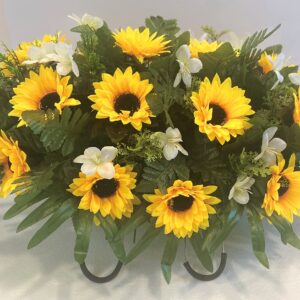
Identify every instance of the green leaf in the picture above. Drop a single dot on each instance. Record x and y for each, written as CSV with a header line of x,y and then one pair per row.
x,y
83,224
169,256
288,236
274,49
257,236
202,254
155,103
57,131
150,234
111,230
138,218
216,62
292,136
162,26
65,212
249,53
47,208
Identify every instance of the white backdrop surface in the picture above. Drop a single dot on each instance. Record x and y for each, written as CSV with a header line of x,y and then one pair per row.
x,y
49,271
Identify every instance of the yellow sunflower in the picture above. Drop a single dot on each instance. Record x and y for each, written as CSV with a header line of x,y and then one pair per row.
x,y
283,188
198,47
20,54
184,209
122,97
221,110
265,62
140,44
12,163
297,108
112,197
46,90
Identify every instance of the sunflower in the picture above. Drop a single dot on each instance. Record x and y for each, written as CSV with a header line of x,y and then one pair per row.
x,y
122,97
197,47
221,110
265,62
46,90
282,194
141,44
297,108
108,196
184,208
12,162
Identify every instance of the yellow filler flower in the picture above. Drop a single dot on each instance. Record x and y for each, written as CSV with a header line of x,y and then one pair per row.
x,y
184,209
46,90
297,108
198,47
282,194
122,97
111,197
141,44
12,163
221,110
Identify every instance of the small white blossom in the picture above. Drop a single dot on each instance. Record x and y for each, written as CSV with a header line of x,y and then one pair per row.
x,y
40,54
98,161
63,56
295,78
60,53
187,66
270,147
277,65
241,189
170,143
86,19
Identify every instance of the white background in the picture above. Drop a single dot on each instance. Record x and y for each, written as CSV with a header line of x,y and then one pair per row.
x,y
49,271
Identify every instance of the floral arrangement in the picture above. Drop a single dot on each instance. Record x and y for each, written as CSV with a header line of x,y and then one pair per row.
x,y
153,130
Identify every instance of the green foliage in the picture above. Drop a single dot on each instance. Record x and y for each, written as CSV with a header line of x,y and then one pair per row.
x,y
162,174
249,53
246,164
142,145
31,189
58,132
292,137
212,34
65,212
169,256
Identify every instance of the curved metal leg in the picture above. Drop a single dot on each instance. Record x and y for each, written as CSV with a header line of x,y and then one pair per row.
x,y
209,277
104,279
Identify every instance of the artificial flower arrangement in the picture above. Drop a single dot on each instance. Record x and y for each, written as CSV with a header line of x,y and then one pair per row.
x,y
153,130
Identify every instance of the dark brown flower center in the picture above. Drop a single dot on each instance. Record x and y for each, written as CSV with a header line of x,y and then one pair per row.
x,y
284,185
9,163
105,187
127,102
180,203
48,101
218,115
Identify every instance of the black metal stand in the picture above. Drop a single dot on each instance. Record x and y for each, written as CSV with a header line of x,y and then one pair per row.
x,y
209,277
104,279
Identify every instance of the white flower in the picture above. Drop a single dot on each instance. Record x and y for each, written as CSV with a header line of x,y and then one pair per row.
x,y
235,40
270,147
63,56
241,189
86,19
170,143
295,78
61,53
40,54
98,161
187,66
